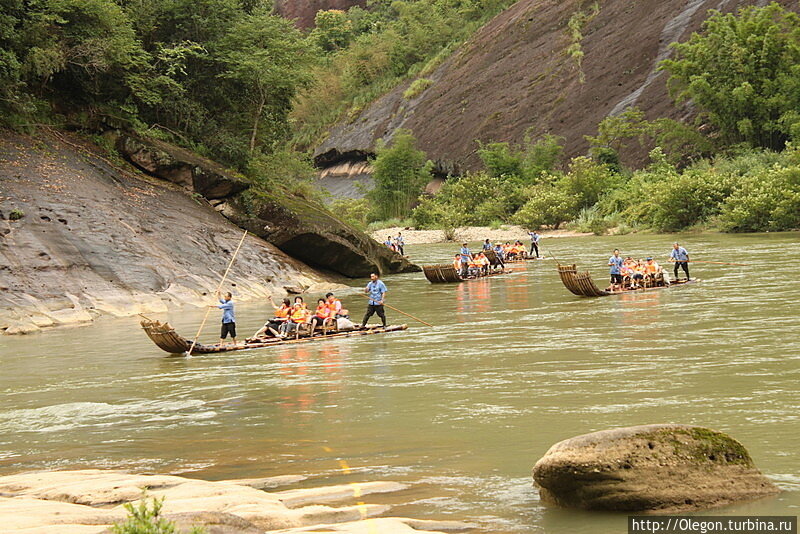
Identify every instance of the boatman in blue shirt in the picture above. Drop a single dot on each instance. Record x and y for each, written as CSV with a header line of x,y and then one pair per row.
x,y
680,256
376,290
228,320
534,243
465,258
615,262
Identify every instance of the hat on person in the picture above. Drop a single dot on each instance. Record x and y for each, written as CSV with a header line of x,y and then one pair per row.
x,y
649,259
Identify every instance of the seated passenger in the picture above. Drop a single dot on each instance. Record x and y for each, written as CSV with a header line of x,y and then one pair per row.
x,y
653,273
484,263
638,275
298,316
323,315
271,327
336,306
474,267
457,263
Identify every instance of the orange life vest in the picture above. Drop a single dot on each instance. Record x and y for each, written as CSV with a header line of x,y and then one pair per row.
x,y
323,312
299,315
283,311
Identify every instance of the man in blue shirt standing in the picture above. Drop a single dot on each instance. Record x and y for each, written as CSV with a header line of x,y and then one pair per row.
x,y
680,256
228,320
376,290
465,257
534,243
615,262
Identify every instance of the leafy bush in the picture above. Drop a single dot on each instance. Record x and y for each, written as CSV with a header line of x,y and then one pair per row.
x,y
16,214
525,163
419,85
144,519
546,205
768,202
355,211
473,199
587,180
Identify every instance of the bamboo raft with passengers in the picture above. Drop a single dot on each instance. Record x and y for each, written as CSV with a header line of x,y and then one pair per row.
x,y
582,284
447,273
168,340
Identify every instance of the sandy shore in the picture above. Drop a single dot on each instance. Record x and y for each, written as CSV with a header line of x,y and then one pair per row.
x,y
471,233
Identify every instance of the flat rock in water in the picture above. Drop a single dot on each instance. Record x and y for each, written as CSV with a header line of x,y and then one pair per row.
x,y
665,467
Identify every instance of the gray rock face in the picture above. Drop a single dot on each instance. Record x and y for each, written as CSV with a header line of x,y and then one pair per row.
x,y
97,241
649,468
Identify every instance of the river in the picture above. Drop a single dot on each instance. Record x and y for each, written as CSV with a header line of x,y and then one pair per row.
x,y
463,410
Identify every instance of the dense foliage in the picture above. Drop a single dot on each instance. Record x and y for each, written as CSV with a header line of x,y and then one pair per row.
x,y
211,74
401,173
743,72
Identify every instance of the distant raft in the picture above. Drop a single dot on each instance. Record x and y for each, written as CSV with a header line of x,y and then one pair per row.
x,y
581,283
165,337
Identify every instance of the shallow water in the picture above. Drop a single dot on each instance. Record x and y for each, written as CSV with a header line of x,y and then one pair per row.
x,y
462,410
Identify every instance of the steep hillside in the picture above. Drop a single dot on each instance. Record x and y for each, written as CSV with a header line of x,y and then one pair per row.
x,y
93,240
515,74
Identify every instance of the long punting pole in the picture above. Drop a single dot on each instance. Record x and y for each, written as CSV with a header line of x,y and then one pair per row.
x,y
404,313
719,262
224,276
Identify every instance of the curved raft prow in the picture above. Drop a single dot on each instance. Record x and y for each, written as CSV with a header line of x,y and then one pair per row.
x,y
440,274
165,337
580,284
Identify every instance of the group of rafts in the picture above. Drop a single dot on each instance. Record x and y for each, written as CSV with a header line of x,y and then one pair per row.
x,y
637,275
491,260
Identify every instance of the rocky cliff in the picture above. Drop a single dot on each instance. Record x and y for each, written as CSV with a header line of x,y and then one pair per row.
x,y
301,228
79,237
515,74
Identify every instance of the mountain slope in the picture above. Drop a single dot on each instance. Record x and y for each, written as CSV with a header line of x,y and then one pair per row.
x,y
515,74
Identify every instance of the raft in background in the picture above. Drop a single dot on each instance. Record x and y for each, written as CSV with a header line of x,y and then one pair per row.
x,y
581,284
168,340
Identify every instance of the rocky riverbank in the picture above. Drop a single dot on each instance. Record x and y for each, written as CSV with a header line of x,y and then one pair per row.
x,y
90,501
471,234
81,237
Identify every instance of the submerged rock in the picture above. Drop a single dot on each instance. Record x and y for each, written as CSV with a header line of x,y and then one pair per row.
x,y
665,467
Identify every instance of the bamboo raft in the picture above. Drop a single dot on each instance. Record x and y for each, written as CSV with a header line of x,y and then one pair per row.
x,y
165,337
581,283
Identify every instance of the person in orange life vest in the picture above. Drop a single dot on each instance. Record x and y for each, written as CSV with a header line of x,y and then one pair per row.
x,y
272,326
297,316
457,263
322,315
336,306
483,262
638,274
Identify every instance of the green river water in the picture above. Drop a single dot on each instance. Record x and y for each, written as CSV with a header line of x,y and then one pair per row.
x,y
461,411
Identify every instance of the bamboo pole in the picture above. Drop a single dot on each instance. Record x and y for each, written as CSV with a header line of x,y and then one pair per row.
x,y
224,276
717,262
401,311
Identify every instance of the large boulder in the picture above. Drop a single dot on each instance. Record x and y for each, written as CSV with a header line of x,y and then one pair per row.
x,y
663,467
312,234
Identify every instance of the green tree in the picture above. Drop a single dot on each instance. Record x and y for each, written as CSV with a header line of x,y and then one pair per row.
x,y
333,29
268,61
401,173
743,72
